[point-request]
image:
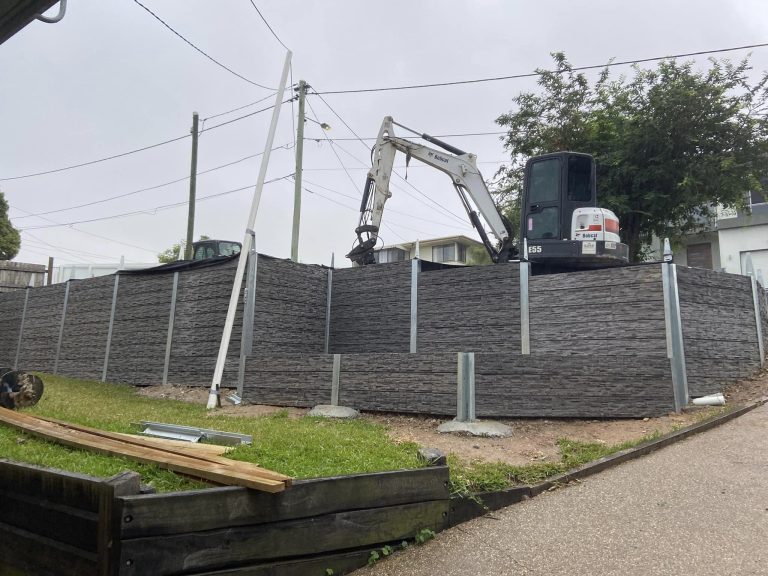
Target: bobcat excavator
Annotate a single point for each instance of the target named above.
(560, 226)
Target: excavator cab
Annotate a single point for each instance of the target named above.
(561, 227)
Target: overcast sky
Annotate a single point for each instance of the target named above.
(110, 78)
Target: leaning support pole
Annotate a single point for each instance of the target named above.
(213, 396)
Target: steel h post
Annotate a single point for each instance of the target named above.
(415, 270)
(465, 397)
(758, 323)
(171, 321)
(328, 296)
(111, 326)
(21, 328)
(61, 328)
(249, 316)
(336, 378)
(525, 325)
(674, 330)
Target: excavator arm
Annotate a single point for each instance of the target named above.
(460, 166)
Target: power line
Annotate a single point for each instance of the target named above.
(155, 187)
(136, 150)
(534, 74)
(211, 58)
(419, 137)
(91, 162)
(436, 204)
(150, 210)
(268, 26)
(259, 101)
(92, 234)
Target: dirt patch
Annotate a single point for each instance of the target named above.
(533, 440)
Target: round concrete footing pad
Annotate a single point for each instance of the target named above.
(477, 428)
(329, 411)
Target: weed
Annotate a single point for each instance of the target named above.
(373, 558)
(424, 535)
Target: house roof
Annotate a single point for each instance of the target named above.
(16, 14)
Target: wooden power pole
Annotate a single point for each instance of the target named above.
(297, 177)
(192, 190)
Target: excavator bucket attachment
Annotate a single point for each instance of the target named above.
(19, 389)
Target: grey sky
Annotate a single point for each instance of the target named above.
(110, 78)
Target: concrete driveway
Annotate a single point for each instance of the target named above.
(699, 507)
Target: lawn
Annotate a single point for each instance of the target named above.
(299, 447)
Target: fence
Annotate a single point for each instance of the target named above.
(633, 341)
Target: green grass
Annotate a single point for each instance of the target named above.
(302, 448)
(299, 447)
(478, 476)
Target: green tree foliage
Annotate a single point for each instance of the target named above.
(10, 240)
(670, 143)
(172, 253)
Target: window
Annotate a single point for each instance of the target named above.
(545, 181)
(579, 179)
(204, 251)
(756, 197)
(543, 224)
(462, 256)
(388, 255)
(444, 253)
(229, 248)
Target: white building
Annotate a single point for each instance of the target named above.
(732, 235)
(458, 250)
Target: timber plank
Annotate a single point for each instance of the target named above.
(216, 549)
(55, 486)
(219, 470)
(343, 563)
(200, 510)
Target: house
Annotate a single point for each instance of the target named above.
(727, 240)
(459, 250)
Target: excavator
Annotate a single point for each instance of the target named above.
(561, 228)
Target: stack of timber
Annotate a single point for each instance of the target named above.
(204, 464)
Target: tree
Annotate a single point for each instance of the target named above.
(10, 240)
(670, 144)
(172, 253)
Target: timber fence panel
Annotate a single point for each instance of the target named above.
(719, 329)
(235, 529)
(576, 386)
(11, 309)
(290, 307)
(202, 301)
(298, 380)
(56, 523)
(469, 309)
(598, 311)
(411, 383)
(42, 322)
(137, 350)
(84, 338)
(371, 309)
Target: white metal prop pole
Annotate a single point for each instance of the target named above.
(213, 396)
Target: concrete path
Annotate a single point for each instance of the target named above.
(699, 507)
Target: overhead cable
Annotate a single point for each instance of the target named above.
(147, 189)
(153, 210)
(211, 58)
(268, 26)
(539, 73)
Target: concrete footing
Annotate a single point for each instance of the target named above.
(487, 428)
(330, 411)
